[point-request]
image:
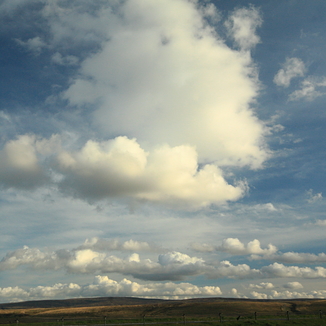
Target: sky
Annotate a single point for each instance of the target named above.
(162, 149)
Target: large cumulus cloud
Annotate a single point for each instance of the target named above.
(116, 168)
(174, 103)
(165, 76)
(122, 168)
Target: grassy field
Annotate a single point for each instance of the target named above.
(158, 312)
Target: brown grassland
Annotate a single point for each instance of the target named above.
(124, 308)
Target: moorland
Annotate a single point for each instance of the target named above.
(105, 310)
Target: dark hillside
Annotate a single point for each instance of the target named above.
(83, 302)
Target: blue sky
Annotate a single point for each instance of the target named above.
(166, 148)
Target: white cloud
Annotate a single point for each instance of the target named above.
(293, 67)
(5, 116)
(170, 79)
(68, 60)
(321, 222)
(14, 293)
(293, 285)
(292, 257)
(178, 258)
(117, 168)
(234, 292)
(103, 284)
(167, 175)
(34, 45)
(77, 23)
(280, 270)
(311, 88)
(312, 198)
(202, 247)
(293, 295)
(172, 266)
(170, 83)
(86, 261)
(242, 25)
(109, 244)
(235, 247)
(24, 161)
(227, 270)
(263, 285)
(35, 258)
(300, 258)
(169, 266)
(265, 207)
(19, 165)
(8, 6)
(289, 295)
(258, 295)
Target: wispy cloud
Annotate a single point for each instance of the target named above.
(68, 60)
(235, 247)
(114, 244)
(292, 68)
(34, 45)
(242, 25)
(311, 88)
(313, 198)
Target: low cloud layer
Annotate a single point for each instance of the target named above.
(169, 266)
(234, 246)
(319, 294)
(104, 286)
(100, 244)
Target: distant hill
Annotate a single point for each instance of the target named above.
(127, 307)
(80, 302)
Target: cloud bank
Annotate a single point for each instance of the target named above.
(169, 265)
(104, 286)
(116, 168)
(234, 246)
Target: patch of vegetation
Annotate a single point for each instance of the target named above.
(199, 312)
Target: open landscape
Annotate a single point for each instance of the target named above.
(167, 149)
(126, 310)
